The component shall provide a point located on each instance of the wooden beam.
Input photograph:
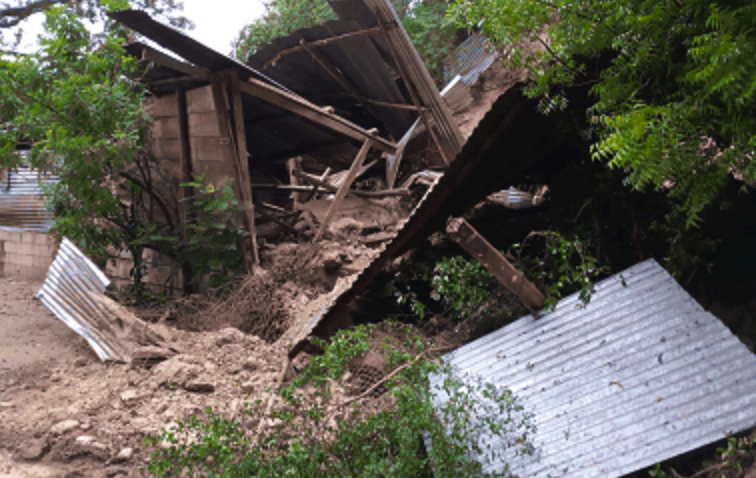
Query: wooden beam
(344, 188)
(314, 113)
(242, 159)
(414, 95)
(318, 43)
(166, 61)
(400, 106)
(470, 240)
(185, 175)
(230, 158)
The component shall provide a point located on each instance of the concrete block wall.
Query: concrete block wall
(26, 255)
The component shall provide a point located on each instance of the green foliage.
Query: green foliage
(281, 18)
(562, 266)
(75, 102)
(464, 285)
(318, 438)
(672, 74)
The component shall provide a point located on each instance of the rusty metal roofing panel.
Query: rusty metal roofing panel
(22, 200)
(66, 293)
(639, 376)
(356, 58)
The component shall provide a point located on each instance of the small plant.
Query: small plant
(324, 437)
(560, 266)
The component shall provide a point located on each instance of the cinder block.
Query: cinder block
(44, 239)
(19, 260)
(28, 237)
(42, 262)
(19, 249)
(207, 149)
(47, 250)
(166, 105)
(200, 100)
(12, 236)
(204, 125)
(166, 128)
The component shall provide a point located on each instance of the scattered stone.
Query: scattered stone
(80, 362)
(55, 378)
(85, 426)
(112, 471)
(176, 371)
(85, 440)
(200, 386)
(148, 356)
(61, 428)
(33, 450)
(249, 387)
(252, 364)
(130, 396)
(229, 335)
(6, 404)
(123, 455)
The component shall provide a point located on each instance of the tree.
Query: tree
(430, 29)
(668, 77)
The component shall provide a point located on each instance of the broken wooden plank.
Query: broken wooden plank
(185, 192)
(318, 43)
(314, 113)
(493, 260)
(344, 188)
(364, 194)
(154, 56)
(230, 154)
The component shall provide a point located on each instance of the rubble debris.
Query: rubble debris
(61, 428)
(495, 262)
(33, 450)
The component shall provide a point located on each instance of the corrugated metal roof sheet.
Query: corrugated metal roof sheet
(273, 133)
(641, 375)
(22, 200)
(356, 58)
(66, 293)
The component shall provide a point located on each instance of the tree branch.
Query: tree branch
(12, 16)
(158, 199)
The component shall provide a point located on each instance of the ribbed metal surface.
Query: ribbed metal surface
(368, 14)
(468, 56)
(70, 280)
(358, 60)
(22, 200)
(473, 75)
(643, 374)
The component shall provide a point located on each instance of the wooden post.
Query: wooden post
(470, 240)
(227, 145)
(294, 166)
(242, 161)
(184, 176)
(344, 188)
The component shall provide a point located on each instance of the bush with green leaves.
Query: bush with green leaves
(667, 76)
(320, 438)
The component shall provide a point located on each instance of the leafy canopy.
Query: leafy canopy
(675, 74)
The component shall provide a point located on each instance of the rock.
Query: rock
(249, 387)
(85, 426)
(33, 450)
(148, 356)
(87, 444)
(123, 455)
(176, 371)
(85, 441)
(61, 428)
(252, 364)
(131, 396)
(80, 362)
(229, 335)
(200, 386)
(4, 405)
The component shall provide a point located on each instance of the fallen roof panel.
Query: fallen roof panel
(358, 60)
(512, 138)
(639, 376)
